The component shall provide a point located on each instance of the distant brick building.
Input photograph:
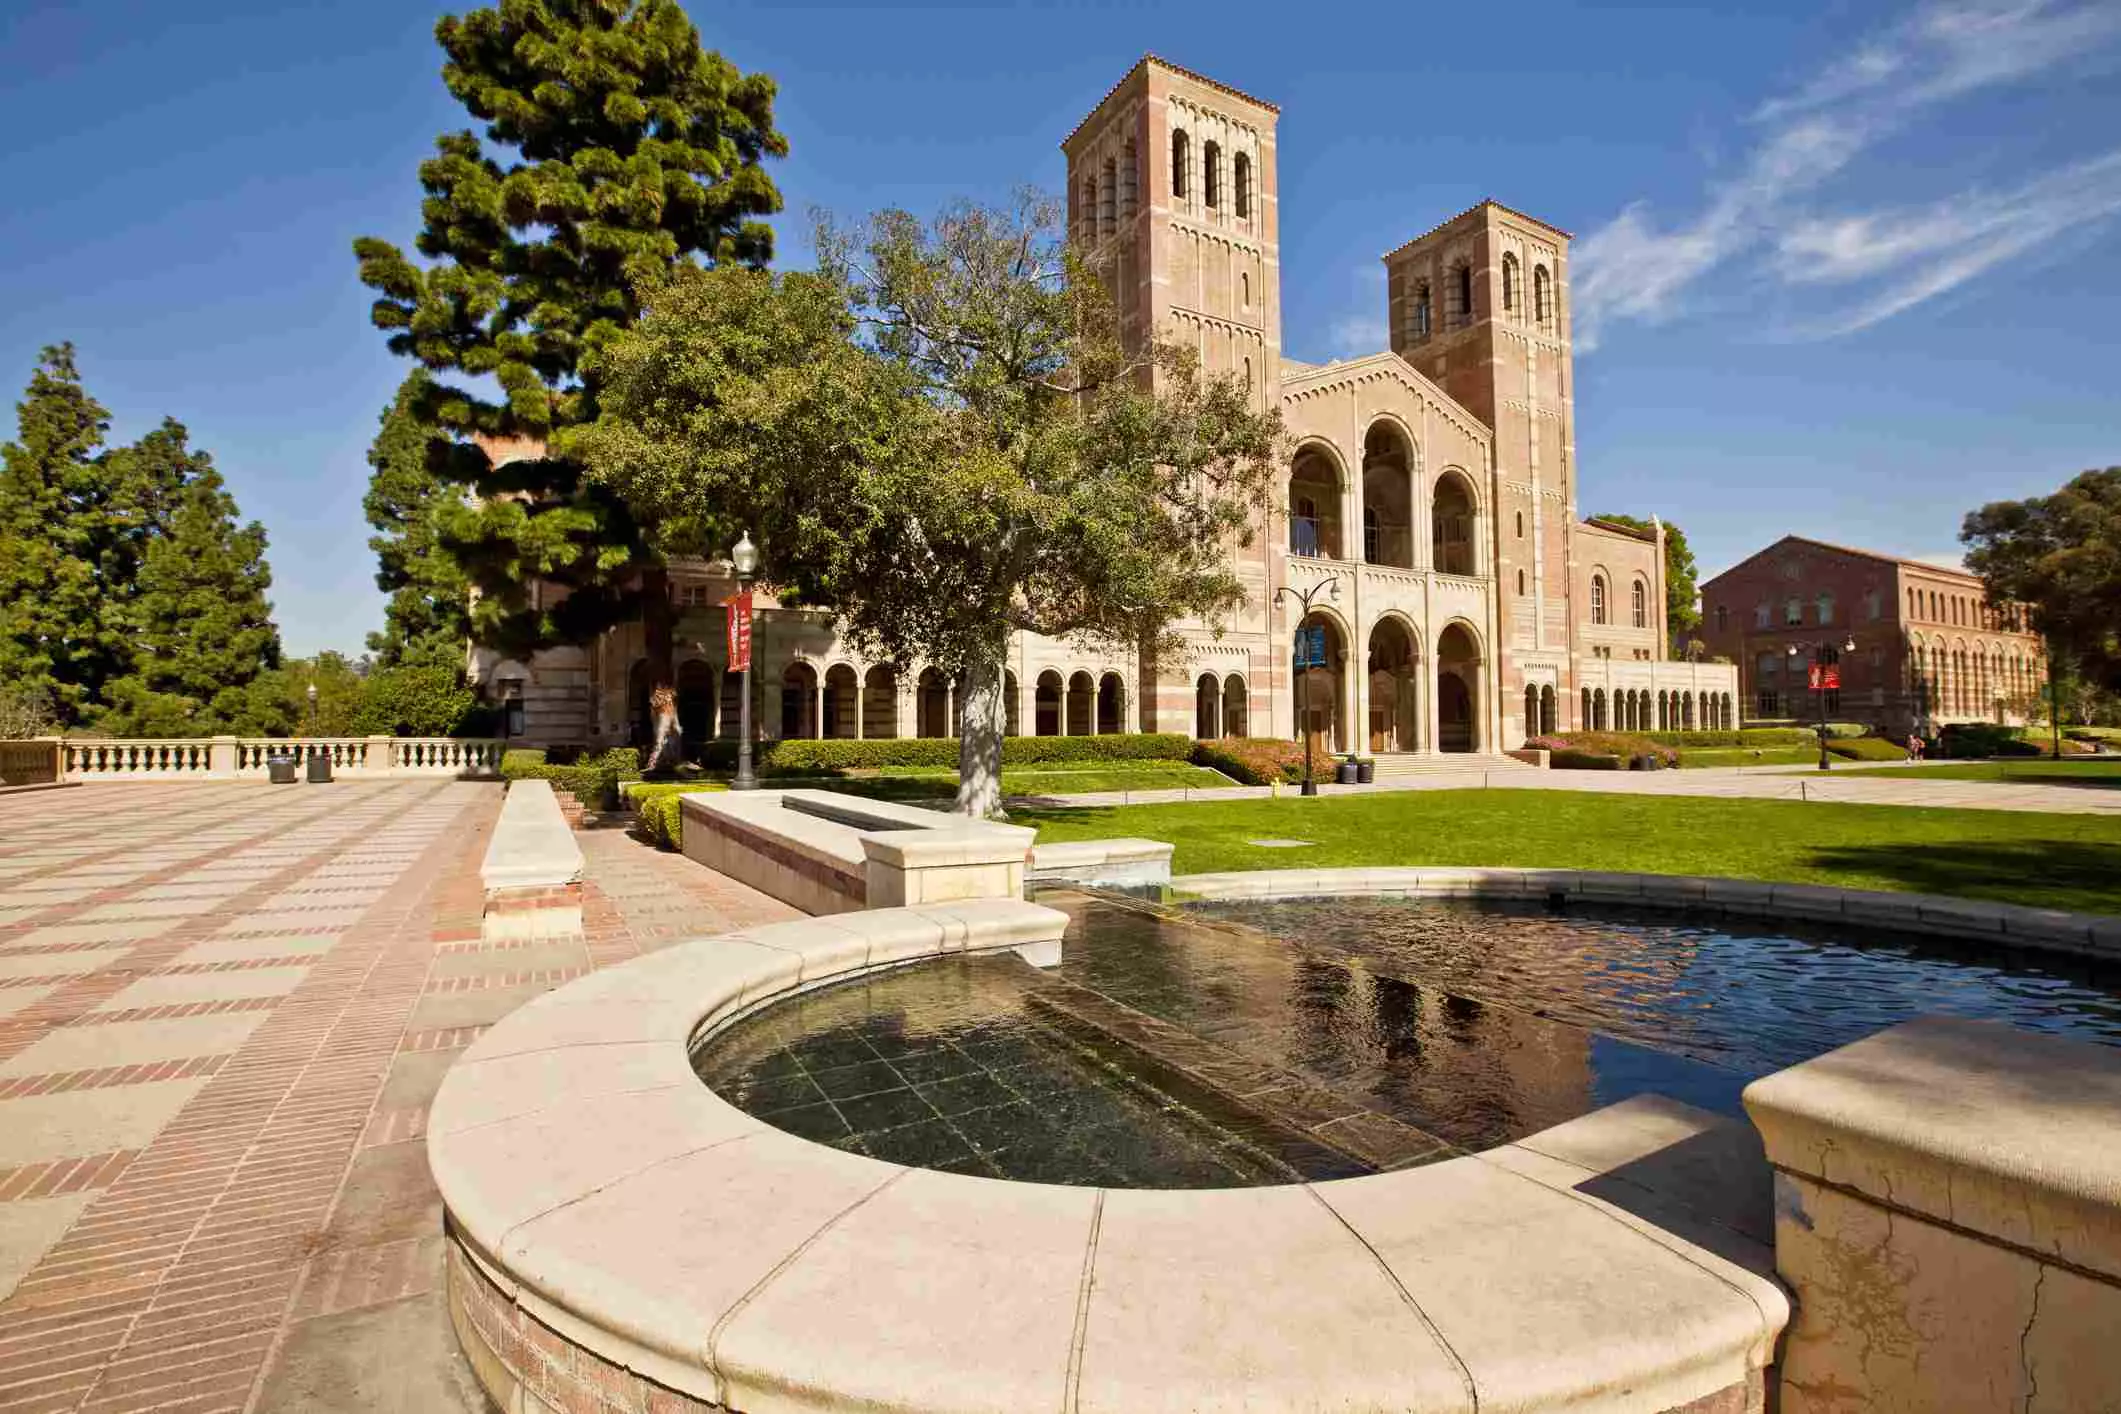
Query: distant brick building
(1929, 648)
(1433, 482)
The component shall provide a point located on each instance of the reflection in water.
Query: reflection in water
(1263, 1043)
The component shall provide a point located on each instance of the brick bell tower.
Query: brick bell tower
(1479, 306)
(1172, 192)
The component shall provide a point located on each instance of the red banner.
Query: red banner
(1827, 676)
(738, 607)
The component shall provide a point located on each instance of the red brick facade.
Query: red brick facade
(1929, 649)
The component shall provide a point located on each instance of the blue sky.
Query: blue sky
(1842, 269)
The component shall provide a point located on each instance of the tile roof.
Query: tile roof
(1479, 205)
(1178, 69)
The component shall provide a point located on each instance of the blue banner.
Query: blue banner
(1311, 646)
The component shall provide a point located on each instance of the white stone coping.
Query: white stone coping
(845, 831)
(2003, 924)
(532, 847)
(1083, 854)
(616, 1199)
(2009, 1134)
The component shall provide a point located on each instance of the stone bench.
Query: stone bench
(825, 852)
(620, 1236)
(532, 873)
(1948, 1213)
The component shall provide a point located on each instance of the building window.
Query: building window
(1542, 296)
(1241, 170)
(1244, 289)
(1458, 294)
(1763, 614)
(1108, 207)
(1419, 311)
(1767, 704)
(1793, 612)
(1181, 154)
(1211, 172)
(1825, 608)
(1520, 525)
(1723, 618)
(1874, 606)
(1087, 224)
(1129, 183)
(1640, 604)
(1767, 665)
(1509, 282)
(1597, 598)
(1520, 582)
(1248, 375)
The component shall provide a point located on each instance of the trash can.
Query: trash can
(1365, 772)
(280, 768)
(1345, 775)
(319, 765)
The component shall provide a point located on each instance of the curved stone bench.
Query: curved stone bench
(2004, 924)
(622, 1237)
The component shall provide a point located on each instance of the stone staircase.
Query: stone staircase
(1402, 766)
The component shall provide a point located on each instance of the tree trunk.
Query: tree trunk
(979, 746)
(658, 621)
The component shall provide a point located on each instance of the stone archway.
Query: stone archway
(1111, 705)
(1207, 708)
(1394, 680)
(1319, 661)
(696, 702)
(1236, 719)
(931, 704)
(1046, 706)
(840, 717)
(1387, 496)
(1453, 526)
(798, 702)
(1082, 704)
(1458, 706)
(880, 701)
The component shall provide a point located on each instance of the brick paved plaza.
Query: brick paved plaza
(223, 1012)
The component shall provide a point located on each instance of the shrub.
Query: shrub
(811, 757)
(1625, 745)
(1866, 748)
(1750, 736)
(1568, 759)
(1258, 760)
(657, 812)
(1962, 740)
(593, 780)
(412, 702)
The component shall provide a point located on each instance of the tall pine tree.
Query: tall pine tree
(428, 617)
(61, 640)
(202, 629)
(615, 147)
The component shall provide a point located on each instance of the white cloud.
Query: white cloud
(1354, 335)
(1633, 268)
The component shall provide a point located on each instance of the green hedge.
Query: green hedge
(589, 779)
(656, 809)
(1568, 759)
(1627, 746)
(1750, 736)
(1258, 760)
(811, 757)
(1964, 740)
(1866, 748)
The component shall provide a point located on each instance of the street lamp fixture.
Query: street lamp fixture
(1328, 590)
(1818, 653)
(744, 559)
(312, 694)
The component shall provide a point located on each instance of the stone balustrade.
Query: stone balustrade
(38, 761)
(225, 758)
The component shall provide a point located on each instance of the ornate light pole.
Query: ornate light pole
(1329, 590)
(1819, 651)
(312, 709)
(744, 558)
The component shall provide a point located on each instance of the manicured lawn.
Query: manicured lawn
(2106, 774)
(934, 783)
(1696, 757)
(2056, 861)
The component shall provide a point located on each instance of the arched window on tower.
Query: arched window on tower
(1597, 598)
(1244, 289)
(1509, 283)
(1129, 183)
(1086, 215)
(1640, 605)
(1211, 172)
(1108, 206)
(1418, 313)
(1181, 157)
(1458, 294)
(1241, 174)
(1542, 296)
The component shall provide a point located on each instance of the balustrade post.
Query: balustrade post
(221, 758)
(376, 759)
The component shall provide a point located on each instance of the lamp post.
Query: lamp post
(312, 709)
(1329, 590)
(1818, 651)
(744, 558)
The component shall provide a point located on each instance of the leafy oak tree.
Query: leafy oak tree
(941, 438)
(1682, 589)
(615, 147)
(2060, 555)
(428, 616)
